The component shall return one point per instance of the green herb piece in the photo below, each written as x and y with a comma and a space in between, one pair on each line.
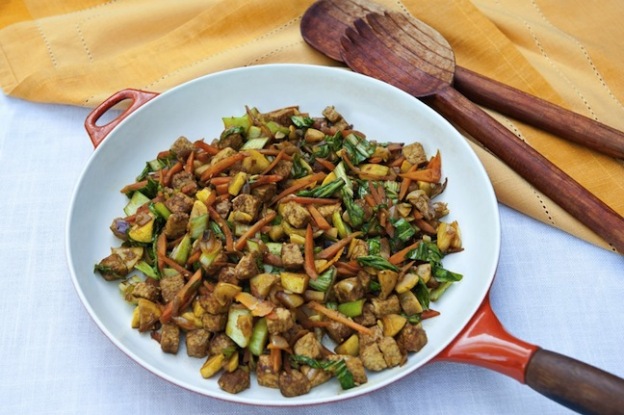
326, 190
324, 280
404, 229
301, 121
375, 261
337, 367
352, 308
148, 270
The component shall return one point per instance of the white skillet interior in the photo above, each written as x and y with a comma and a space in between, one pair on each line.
194, 110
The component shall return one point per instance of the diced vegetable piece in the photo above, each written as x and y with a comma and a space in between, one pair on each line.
406, 282
137, 200
261, 284
259, 337
181, 251
388, 280
294, 282
350, 347
162, 210
237, 183
255, 143
410, 304
392, 324
352, 308
142, 233
374, 170
239, 326
212, 366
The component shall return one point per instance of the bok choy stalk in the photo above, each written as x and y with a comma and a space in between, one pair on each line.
336, 367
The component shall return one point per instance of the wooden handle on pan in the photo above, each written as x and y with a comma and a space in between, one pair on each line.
576, 385
532, 166
583, 388
98, 133
539, 113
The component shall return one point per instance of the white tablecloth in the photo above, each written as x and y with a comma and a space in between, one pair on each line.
552, 290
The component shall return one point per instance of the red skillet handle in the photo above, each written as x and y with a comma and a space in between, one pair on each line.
98, 133
576, 385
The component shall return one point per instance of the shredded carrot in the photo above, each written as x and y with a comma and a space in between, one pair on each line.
222, 189
331, 250
405, 184
348, 162
240, 243
397, 162
215, 181
194, 257
339, 317
222, 165
370, 200
399, 256
347, 268
276, 160
429, 314
309, 266
212, 150
176, 168
182, 297
326, 163
163, 154
431, 174
225, 228
374, 193
161, 250
331, 261
425, 226
275, 357
305, 200
320, 221
267, 178
175, 265
134, 186
212, 197
298, 185
188, 167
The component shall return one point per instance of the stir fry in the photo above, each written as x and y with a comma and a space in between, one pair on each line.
292, 247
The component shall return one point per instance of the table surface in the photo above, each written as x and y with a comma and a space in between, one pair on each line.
552, 290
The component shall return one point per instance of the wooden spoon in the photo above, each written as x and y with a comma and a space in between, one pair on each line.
324, 23
412, 56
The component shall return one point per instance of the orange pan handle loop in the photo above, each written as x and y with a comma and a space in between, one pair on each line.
485, 342
97, 133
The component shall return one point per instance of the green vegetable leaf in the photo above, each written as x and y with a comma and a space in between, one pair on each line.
337, 367
404, 229
376, 262
356, 212
358, 148
326, 190
422, 294
148, 270
324, 281
429, 252
301, 121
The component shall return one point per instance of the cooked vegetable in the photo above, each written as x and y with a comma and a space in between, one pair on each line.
284, 229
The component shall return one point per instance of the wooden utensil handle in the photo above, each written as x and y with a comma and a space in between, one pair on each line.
539, 113
574, 384
532, 166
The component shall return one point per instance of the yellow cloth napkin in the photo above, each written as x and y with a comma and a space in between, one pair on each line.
81, 51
